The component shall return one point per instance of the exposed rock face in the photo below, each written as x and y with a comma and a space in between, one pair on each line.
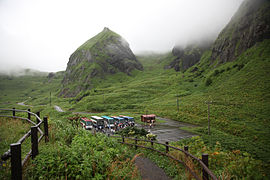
249, 25
104, 54
187, 57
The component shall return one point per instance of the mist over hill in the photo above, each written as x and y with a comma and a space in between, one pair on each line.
18, 71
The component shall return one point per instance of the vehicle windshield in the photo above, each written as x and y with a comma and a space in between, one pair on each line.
131, 119
100, 123
111, 121
122, 121
88, 123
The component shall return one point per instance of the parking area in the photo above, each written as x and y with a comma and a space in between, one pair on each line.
169, 130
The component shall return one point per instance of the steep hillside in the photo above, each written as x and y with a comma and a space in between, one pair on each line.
104, 54
249, 25
188, 56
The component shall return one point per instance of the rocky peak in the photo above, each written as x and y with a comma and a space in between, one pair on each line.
250, 24
104, 54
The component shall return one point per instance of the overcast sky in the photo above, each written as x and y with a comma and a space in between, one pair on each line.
42, 34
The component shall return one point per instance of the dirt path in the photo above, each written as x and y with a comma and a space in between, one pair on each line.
149, 170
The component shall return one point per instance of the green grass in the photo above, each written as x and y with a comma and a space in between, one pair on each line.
11, 131
239, 90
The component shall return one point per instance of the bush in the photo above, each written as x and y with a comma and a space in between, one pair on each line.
133, 131
87, 157
234, 164
216, 72
240, 66
208, 81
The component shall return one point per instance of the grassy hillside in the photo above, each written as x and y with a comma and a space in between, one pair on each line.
239, 92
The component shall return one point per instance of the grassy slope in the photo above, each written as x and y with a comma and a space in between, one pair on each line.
239, 91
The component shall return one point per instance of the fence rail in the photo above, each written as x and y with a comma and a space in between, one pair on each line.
15, 148
206, 172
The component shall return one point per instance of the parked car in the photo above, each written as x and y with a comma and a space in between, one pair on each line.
130, 120
99, 122
86, 123
120, 122
109, 122
151, 118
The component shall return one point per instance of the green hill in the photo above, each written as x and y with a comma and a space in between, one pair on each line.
232, 75
105, 54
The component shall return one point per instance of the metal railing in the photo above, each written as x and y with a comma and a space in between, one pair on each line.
15, 148
206, 172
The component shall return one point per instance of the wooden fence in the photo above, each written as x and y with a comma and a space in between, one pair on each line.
206, 172
15, 149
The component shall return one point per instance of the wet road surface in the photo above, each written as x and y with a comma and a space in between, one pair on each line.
169, 130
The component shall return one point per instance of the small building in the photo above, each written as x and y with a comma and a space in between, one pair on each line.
148, 118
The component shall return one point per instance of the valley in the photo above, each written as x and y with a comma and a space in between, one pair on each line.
211, 96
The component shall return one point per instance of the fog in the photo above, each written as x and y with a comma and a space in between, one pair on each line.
42, 34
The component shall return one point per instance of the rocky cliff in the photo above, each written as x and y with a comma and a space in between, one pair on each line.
249, 25
187, 57
104, 54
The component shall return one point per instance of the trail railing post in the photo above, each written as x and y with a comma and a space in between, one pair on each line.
186, 159
13, 112
186, 148
34, 141
29, 115
205, 161
16, 161
38, 114
167, 147
136, 141
46, 130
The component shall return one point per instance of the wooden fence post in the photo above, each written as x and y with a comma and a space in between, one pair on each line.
46, 130
205, 161
13, 112
186, 160
38, 114
167, 147
16, 161
34, 141
29, 115
136, 143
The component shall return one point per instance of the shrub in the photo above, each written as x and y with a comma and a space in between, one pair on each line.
240, 66
216, 72
133, 131
87, 157
208, 81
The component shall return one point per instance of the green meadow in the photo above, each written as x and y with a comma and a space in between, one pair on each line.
238, 92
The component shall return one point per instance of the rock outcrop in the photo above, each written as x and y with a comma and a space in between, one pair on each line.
104, 54
249, 25
187, 57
